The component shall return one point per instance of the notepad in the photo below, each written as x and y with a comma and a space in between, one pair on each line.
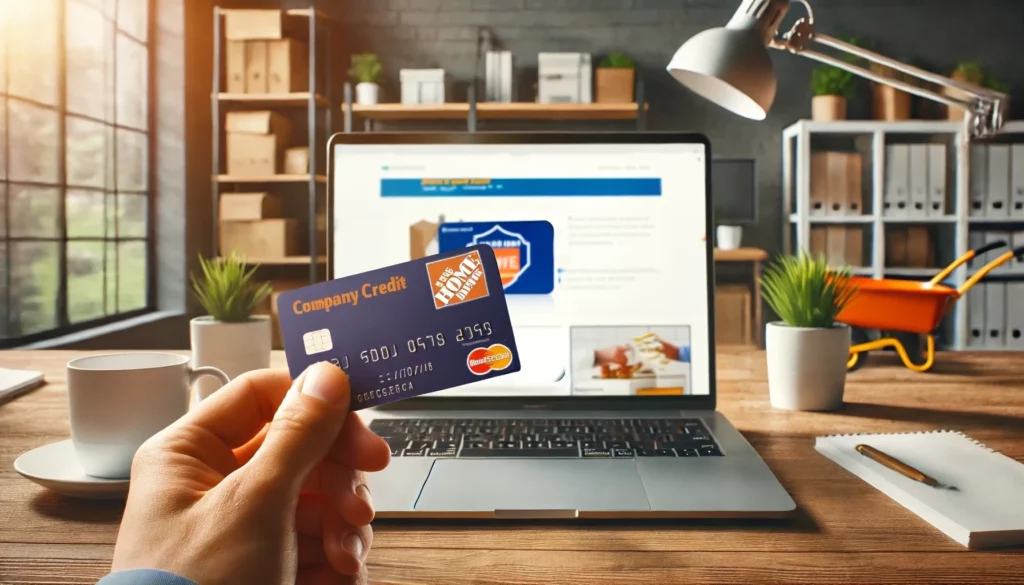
986, 510
15, 382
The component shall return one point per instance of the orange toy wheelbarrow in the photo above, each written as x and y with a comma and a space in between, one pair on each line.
907, 312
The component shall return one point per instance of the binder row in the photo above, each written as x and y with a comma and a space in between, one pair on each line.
995, 315
996, 184
1013, 239
837, 184
915, 180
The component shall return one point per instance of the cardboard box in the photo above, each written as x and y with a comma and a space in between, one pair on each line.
256, 67
258, 122
287, 66
243, 25
267, 238
421, 234
732, 315
253, 155
296, 160
234, 65
249, 206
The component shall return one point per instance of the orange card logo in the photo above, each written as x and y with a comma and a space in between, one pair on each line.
457, 279
485, 359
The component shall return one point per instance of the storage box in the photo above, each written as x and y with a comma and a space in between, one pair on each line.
732, 315
256, 67
243, 25
234, 66
615, 85
287, 66
253, 155
422, 86
267, 238
499, 75
296, 160
249, 206
564, 78
258, 122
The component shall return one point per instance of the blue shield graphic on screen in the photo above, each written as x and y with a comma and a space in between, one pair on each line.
525, 251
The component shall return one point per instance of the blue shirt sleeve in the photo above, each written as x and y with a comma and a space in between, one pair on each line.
144, 577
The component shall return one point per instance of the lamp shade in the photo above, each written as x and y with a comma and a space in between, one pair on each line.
729, 67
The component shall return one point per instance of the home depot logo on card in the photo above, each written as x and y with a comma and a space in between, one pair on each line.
457, 279
485, 359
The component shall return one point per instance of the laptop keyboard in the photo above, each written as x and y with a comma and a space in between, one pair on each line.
564, 438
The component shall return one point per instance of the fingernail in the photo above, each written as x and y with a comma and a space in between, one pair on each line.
364, 492
324, 383
354, 546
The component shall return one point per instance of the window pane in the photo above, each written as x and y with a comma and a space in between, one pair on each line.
34, 281
33, 211
111, 278
131, 289
86, 152
131, 216
111, 215
107, 6
34, 145
3, 216
90, 51
4, 330
85, 214
131, 83
3, 130
131, 161
85, 281
131, 17
32, 49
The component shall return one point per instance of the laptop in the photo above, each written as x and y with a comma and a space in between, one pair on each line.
602, 241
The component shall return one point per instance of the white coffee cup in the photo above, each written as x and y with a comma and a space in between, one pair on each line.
729, 236
118, 401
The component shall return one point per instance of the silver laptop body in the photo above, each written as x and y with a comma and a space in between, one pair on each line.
588, 449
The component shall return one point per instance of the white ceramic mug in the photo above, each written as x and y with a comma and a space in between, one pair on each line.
117, 401
729, 236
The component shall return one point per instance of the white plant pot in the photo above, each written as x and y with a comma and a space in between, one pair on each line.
806, 366
728, 237
366, 93
234, 348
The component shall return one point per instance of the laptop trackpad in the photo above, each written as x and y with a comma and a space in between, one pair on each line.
533, 484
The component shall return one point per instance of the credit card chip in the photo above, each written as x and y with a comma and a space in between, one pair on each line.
317, 341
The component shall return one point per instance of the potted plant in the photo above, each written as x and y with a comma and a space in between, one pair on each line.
831, 87
890, 104
615, 76
229, 337
366, 70
808, 349
970, 72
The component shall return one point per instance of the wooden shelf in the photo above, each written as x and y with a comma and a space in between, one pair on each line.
303, 12
270, 179
497, 111
297, 99
286, 261
741, 255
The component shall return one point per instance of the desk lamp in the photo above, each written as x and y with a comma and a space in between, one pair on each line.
730, 66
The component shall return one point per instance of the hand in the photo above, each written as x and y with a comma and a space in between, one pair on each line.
669, 350
258, 484
612, 355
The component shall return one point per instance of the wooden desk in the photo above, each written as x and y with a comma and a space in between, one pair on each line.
755, 256
844, 531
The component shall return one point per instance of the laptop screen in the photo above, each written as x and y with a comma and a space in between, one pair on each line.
601, 249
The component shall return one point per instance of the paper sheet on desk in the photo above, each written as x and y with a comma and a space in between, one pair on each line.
13, 383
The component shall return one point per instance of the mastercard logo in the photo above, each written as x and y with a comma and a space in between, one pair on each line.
485, 359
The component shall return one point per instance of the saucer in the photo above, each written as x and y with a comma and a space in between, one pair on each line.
55, 466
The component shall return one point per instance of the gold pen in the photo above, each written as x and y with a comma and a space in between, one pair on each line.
900, 467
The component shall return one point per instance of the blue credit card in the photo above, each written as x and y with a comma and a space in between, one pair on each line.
405, 330
525, 251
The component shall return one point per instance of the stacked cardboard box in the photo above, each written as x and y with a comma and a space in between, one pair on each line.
842, 245
256, 143
909, 247
732, 315
259, 55
251, 225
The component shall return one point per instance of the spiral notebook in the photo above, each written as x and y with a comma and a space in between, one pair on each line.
985, 511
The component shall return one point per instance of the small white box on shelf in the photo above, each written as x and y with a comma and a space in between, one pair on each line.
564, 78
498, 77
422, 86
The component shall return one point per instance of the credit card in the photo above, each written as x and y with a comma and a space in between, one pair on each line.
525, 251
405, 330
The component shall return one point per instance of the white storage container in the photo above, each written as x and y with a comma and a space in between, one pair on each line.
564, 78
422, 86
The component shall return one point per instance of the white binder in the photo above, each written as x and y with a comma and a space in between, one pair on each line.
896, 197
976, 315
978, 184
998, 180
996, 236
1017, 181
918, 206
1016, 240
1015, 315
995, 315
937, 179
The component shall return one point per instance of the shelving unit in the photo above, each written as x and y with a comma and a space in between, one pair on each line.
319, 106
796, 185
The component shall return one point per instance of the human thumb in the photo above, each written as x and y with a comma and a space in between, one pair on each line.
303, 430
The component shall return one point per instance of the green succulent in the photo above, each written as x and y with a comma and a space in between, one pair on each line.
227, 290
366, 68
804, 292
831, 80
618, 61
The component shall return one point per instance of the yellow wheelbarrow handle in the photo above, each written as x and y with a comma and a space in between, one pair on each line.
984, 270
967, 256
